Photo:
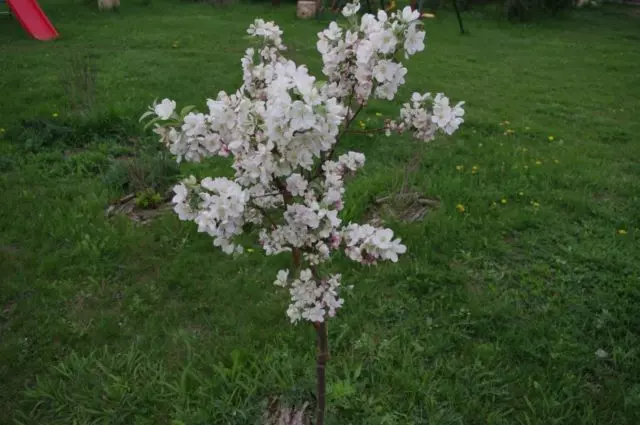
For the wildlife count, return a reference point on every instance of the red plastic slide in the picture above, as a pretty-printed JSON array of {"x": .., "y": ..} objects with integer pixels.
[{"x": 33, "y": 19}]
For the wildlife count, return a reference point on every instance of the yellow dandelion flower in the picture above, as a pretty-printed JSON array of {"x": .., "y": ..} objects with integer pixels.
[
  {"x": 503, "y": 201},
  {"x": 622, "y": 232},
  {"x": 250, "y": 250},
  {"x": 459, "y": 167},
  {"x": 55, "y": 114},
  {"x": 460, "y": 208},
  {"x": 538, "y": 162},
  {"x": 551, "y": 138},
  {"x": 474, "y": 169}
]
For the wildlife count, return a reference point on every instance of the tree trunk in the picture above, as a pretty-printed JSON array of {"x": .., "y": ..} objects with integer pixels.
[{"x": 455, "y": 7}]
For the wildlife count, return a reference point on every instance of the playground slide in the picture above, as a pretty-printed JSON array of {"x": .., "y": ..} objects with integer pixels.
[{"x": 33, "y": 19}]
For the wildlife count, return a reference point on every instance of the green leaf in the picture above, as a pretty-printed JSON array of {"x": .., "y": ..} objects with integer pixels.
[
  {"x": 319, "y": 84},
  {"x": 152, "y": 122},
  {"x": 145, "y": 115},
  {"x": 186, "y": 110}
]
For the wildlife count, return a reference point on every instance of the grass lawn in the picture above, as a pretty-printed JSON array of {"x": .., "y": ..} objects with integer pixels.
[{"x": 494, "y": 315}]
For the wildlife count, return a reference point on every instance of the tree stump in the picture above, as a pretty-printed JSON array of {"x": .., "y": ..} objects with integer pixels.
[
  {"x": 108, "y": 4},
  {"x": 306, "y": 9}
]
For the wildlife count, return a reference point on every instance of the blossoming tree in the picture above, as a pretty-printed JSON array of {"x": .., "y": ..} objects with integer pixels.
[{"x": 282, "y": 128}]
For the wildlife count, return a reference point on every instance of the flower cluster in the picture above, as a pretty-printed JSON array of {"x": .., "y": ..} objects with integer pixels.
[
  {"x": 216, "y": 206},
  {"x": 363, "y": 55},
  {"x": 311, "y": 299},
  {"x": 425, "y": 115},
  {"x": 368, "y": 244},
  {"x": 280, "y": 128}
]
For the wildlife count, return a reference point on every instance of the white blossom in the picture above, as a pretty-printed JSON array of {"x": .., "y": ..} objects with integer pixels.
[
  {"x": 446, "y": 117},
  {"x": 282, "y": 278},
  {"x": 296, "y": 184},
  {"x": 408, "y": 15},
  {"x": 165, "y": 109},
  {"x": 414, "y": 40},
  {"x": 351, "y": 9}
]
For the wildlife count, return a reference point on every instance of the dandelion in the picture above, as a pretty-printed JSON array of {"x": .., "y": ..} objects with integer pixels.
[
  {"x": 474, "y": 169},
  {"x": 460, "y": 208},
  {"x": 551, "y": 138},
  {"x": 459, "y": 167},
  {"x": 622, "y": 232},
  {"x": 54, "y": 115},
  {"x": 250, "y": 250},
  {"x": 503, "y": 201},
  {"x": 538, "y": 162}
]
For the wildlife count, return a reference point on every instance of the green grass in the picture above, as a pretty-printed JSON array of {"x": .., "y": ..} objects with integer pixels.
[{"x": 492, "y": 317}]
